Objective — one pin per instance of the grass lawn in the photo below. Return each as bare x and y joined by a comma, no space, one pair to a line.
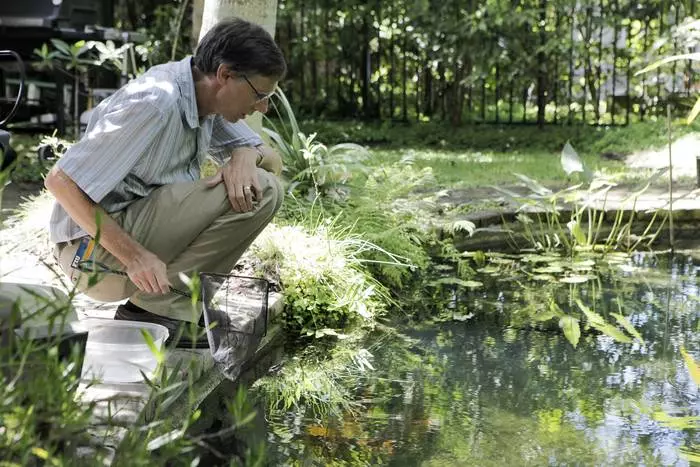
467,156
480,155
465,168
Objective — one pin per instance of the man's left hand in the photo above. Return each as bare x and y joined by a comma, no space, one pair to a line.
240,178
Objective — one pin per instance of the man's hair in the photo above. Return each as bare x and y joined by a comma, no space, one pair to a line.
244,46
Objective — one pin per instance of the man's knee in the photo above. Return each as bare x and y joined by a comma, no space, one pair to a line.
272,190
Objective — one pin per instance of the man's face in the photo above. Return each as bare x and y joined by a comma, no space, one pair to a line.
241,95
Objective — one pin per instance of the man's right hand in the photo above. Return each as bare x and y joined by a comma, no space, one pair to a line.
148,272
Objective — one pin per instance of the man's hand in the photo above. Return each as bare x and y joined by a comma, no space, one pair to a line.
144,268
240,178
148,272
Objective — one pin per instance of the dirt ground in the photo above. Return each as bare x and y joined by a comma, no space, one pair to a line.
684,151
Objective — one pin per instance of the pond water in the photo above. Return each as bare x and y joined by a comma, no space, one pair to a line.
473,392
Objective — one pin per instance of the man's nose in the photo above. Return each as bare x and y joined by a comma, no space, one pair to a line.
262,106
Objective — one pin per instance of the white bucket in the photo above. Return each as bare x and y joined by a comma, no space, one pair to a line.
117,352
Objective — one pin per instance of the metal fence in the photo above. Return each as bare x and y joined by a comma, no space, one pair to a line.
501,61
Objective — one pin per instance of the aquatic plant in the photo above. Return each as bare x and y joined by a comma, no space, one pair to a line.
576,218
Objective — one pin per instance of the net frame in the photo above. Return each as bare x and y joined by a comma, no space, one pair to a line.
236,313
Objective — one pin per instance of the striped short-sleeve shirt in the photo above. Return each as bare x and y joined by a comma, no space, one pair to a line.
147,134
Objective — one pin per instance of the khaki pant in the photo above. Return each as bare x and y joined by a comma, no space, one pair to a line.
188,226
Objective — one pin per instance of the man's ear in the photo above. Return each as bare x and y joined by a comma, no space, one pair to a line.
223,73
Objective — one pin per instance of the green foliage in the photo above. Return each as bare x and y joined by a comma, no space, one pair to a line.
169,37
682,423
323,277
39,412
317,379
46,420
311,167
422,60
30,168
72,57
383,208
552,286
541,213
688,33
488,138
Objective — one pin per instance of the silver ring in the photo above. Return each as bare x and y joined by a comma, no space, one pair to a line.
249,188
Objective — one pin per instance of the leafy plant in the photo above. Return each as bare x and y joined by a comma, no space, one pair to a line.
310,166
70,59
322,272
45,419
682,423
541,213
318,380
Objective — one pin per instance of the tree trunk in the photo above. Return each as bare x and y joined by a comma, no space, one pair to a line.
197,10
262,12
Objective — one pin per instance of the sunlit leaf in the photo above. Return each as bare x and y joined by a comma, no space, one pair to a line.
502,261
612,331
692,365
545,316
577,232
549,270
40,453
598,322
509,193
534,185
167,438
458,281
678,423
464,225
694,112
543,277
692,456
672,58
572,330
157,353
570,161
489,270
462,318
625,323
524,219
592,317
540,258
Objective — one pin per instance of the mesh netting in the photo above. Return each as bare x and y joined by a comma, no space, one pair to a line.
235,313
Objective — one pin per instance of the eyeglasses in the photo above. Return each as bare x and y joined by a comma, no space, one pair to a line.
259,97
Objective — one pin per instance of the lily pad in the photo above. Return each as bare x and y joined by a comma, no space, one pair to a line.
489,270
549,270
544,278
575,279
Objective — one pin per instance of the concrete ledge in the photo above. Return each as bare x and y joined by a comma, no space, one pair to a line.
493,226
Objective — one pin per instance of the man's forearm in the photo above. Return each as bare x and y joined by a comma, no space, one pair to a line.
271,160
84,212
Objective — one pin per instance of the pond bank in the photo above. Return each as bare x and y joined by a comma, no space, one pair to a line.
501,228
30,261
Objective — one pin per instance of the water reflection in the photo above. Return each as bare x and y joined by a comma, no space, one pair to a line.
473,392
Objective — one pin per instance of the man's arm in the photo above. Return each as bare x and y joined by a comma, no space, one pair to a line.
237,148
271,160
144,268
240,178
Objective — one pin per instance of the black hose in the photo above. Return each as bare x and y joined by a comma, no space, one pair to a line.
22,78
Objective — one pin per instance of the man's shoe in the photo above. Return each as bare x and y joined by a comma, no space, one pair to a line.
176,327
